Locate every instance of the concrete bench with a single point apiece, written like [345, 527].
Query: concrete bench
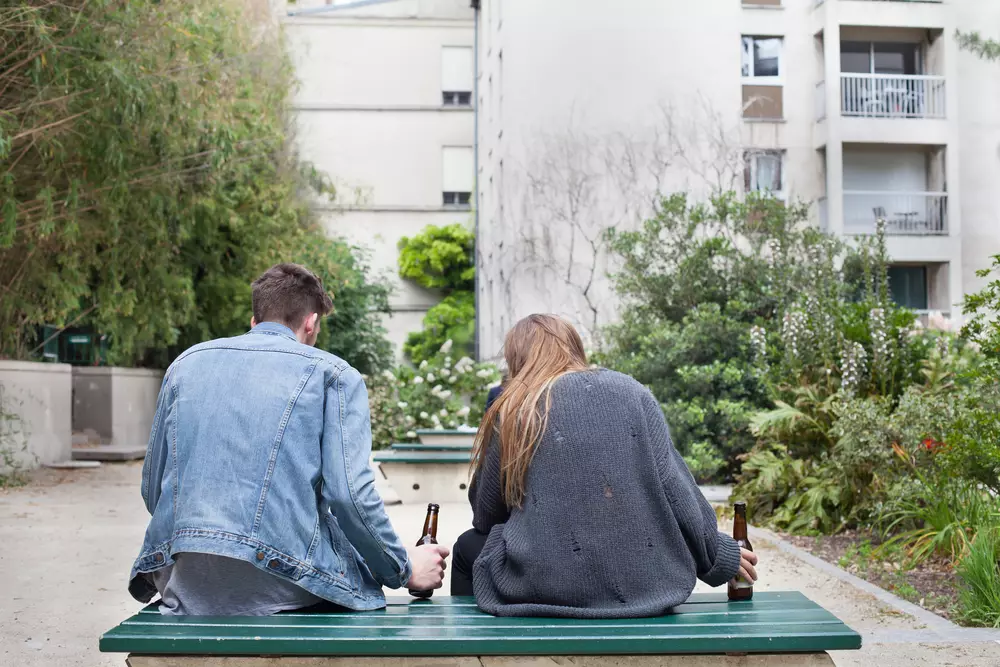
[781, 628]
[426, 476]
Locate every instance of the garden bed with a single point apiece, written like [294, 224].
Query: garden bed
[931, 584]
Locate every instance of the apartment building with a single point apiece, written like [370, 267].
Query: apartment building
[866, 109]
[384, 108]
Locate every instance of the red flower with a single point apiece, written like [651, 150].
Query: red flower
[930, 444]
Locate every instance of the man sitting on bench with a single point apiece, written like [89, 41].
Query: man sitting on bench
[257, 475]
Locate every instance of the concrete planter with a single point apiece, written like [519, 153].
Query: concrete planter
[37, 401]
[117, 403]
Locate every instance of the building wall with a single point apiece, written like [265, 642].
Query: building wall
[118, 403]
[633, 72]
[369, 115]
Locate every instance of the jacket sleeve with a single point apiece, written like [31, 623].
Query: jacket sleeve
[485, 494]
[716, 555]
[349, 482]
[157, 449]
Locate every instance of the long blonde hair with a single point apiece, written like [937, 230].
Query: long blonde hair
[539, 350]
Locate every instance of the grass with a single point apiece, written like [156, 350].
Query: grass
[980, 574]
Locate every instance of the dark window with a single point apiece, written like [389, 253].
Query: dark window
[452, 98]
[880, 58]
[457, 198]
[908, 286]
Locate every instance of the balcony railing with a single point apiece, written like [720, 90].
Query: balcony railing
[905, 213]
[892, 96]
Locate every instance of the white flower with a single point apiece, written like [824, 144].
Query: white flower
[483, 373]
[445, 395]
[423, 364]
[452, 424]
[430, 377]
[491, 385]
[464, 412]
[424, 415]
[445, 372]
[402, 405]
[388, 375]
[446, 348]
[418, 380]
[465, 361]
[444, 413]
[447, 362]
[411, 434]
[437, 388]
[410, 419]
[453, 379]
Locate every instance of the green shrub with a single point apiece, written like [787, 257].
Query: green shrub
[980, 574]
[454, 319]
[439, 258]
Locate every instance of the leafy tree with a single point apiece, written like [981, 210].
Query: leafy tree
[148, 180]
[989, 49]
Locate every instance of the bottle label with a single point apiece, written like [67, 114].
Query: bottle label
[740, 582]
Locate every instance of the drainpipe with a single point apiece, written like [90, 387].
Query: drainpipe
[475, 4]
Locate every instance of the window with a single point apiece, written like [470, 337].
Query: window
[762, 58]
[456, 76]
[898, 58]
[763, 172]
[908, 286]
[457, 175]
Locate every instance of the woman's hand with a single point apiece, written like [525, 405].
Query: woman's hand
[747, 561]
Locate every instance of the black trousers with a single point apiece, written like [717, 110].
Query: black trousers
[466, 550]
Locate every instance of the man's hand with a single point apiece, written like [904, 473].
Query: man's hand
[747, 560]
[427, 565]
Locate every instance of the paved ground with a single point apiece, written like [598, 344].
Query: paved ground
[68, 539]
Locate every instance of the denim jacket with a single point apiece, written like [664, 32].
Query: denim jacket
[259, 451]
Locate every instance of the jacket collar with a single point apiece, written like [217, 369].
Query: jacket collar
[274, 329]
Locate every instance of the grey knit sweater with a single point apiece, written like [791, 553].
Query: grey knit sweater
[612, 524]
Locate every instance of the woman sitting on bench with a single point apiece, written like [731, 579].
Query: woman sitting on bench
[582, 506]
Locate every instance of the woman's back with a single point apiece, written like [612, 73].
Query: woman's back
[611, 523]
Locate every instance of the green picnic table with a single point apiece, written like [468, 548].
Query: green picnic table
[785, 628]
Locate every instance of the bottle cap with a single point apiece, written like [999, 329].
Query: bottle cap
[740, 505]
[433, 508]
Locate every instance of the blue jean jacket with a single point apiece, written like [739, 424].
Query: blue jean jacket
[259, 451]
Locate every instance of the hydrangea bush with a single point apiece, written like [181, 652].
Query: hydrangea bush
[440, 393]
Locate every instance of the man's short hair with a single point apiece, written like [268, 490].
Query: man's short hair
[288, 293]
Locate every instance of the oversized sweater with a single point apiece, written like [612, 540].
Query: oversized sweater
[612, 524]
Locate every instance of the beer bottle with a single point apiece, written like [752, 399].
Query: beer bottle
[740, 588]
[428, 536]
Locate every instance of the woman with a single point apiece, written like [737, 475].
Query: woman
[581, 505]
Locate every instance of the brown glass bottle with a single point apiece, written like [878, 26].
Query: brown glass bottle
[739, 588]
[428, 536]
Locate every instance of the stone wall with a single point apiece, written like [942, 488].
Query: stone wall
[36, 404]
[118, 403]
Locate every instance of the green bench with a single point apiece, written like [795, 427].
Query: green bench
[445, 436]
[426, 476]
[786, 627]
[421, 447]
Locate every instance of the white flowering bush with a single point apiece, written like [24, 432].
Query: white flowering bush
[440, 393]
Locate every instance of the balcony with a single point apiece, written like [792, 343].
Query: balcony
[892, 96]
[905, 213]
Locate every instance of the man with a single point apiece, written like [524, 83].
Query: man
[257, 475]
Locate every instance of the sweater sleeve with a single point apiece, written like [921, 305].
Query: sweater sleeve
[716, 555]
[485, 494]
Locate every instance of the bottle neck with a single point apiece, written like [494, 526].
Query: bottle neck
[431, 524]
[740, 525]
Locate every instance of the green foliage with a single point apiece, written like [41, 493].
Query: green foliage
[439, 393]
[149, 178]
[988, 49]
[453, 318]
[980, 574]
[439, 258]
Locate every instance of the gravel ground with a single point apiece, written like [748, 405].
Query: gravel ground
[68, 538]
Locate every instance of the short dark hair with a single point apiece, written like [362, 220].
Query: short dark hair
[288, 293]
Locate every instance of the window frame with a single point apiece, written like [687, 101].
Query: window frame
[751, 169]
[752, 78]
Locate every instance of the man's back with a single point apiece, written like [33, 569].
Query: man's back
[259, 453]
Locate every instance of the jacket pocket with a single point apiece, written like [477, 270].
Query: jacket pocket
[346, 565]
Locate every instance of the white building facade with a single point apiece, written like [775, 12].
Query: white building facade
[384, 109]
[865, 108]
